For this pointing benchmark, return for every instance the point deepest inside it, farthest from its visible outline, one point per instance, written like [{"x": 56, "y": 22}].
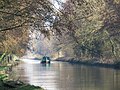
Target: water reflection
[
  {"x": 64, "y": 76},
  {"x": 45, "y": 65}
]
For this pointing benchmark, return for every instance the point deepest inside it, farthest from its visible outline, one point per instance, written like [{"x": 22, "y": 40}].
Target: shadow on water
[{"x": 45, "y": 64}]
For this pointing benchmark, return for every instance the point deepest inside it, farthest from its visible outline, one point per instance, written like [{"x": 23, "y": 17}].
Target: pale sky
[{"x": 56, "y": 3}]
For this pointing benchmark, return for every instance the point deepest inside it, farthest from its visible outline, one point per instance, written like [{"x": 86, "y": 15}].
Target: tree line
[{"x": 81, "y": 28}]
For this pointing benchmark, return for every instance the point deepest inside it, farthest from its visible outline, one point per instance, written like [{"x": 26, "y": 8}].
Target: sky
[{"x": 56, "y": 4}]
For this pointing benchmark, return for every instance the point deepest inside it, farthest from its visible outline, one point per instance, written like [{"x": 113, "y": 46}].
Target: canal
[{"x": 66, "y": 76}]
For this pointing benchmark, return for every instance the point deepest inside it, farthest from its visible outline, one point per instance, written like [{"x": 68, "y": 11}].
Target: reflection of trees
[
  {"x": 89, "y": 78},
  {"x": 116, "y": 80}
]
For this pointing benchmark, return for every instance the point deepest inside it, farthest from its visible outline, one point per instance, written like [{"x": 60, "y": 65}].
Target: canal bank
[
  {"x": 90, "y": 62},
  {"x": 8, "y": 83}
]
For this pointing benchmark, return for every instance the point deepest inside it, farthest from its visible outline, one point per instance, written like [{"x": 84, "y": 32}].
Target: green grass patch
[
  {"x": 3, "y": 68},
  {"x": 13, "y": 85}
]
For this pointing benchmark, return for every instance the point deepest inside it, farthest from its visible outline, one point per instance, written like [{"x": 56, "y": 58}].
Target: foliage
[
  {"x": 80, "y": 28},
  {"x": 93, "y": 26},
  {"x": 16, "y": 19}
]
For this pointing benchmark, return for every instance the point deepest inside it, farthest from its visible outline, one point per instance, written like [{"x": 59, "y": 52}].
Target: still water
[{"x": 65, "y": 76}]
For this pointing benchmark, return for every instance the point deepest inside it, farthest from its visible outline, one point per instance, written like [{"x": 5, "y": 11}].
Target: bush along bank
[
  {"x": 6, "y": 64},
  {"x": 90, "y": 62}
]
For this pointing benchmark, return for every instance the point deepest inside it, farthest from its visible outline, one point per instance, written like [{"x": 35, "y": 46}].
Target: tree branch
[{"x": 10, "y": 28}]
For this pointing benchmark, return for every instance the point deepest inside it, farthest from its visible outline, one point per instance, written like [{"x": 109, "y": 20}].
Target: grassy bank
[
  {"x": 17, "y": 85},
  {"x": 90, "y": 62}
]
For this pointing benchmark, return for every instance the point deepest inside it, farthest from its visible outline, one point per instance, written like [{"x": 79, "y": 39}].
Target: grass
[
  {"x": 3, "y": 68},
  {"x": 3, "y": 86}
]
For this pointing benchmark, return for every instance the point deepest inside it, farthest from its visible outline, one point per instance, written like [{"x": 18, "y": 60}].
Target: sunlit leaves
[{"x": 86, "y": 21}]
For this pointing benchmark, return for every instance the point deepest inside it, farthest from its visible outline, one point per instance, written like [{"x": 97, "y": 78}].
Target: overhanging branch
[{"x": 10, "y": 28}]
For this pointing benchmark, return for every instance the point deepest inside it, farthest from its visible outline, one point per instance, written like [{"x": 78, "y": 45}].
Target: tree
[
  {"x": 94, "y": 27},
  {"x": 16, "y": 17}
]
